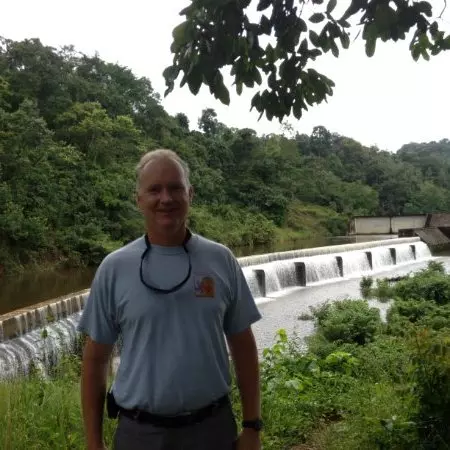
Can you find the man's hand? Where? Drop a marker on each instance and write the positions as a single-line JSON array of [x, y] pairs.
[[249, 440]]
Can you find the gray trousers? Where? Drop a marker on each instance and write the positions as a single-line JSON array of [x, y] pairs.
[[218, 432]]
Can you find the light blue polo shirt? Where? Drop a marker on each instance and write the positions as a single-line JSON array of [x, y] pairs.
[[174, 356]]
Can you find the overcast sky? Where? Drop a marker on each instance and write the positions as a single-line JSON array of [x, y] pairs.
[[386, 101]]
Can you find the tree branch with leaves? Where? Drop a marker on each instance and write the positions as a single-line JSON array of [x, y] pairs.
[[218, 34]]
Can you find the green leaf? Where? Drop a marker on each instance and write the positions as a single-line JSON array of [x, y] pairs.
[[194, 80], [317, 18], [265, 25], [263, 4], [244, 3], [256, 75], [239, 88], [314, 38], [179, 32], [297, 109], [345, 40], [425, 8], [257, 102], [171, 73], [343, 23], [425, 54], [303, 46], [331, 5], [301, 25], [370, 47], [334, 49], [222, 93]]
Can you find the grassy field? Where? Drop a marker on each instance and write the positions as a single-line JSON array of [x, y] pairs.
[[362, 384]]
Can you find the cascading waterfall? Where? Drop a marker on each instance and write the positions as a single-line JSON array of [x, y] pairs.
[[404, 253], [381, 257], [272, 282], [355, 263], [422, 251], [252, 281], [38, 347], [285, 271], [321, 268]]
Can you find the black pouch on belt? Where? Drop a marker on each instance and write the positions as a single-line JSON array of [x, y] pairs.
[[111, 406]]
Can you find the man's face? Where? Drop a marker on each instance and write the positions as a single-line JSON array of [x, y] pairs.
[[164, 196]]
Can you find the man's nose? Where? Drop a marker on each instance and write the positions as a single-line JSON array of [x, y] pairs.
[[166, 195]]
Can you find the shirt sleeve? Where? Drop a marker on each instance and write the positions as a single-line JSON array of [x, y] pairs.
[[98, 319], [242, 311]]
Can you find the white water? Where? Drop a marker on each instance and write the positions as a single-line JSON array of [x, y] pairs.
[[422, 250], [321, 268], [355, 263], [286, 274], [16, 355], [252, 281], [381, 257], [404, 253], [272, 282]]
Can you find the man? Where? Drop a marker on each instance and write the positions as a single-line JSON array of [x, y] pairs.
[[173, 297]]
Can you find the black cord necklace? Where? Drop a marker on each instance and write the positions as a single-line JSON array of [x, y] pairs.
[[179, 285]]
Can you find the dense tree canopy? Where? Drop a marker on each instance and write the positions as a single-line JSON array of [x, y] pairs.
[[72, 128], [277, 45]]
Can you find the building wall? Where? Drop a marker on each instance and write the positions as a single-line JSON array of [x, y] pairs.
[[408, 222], [371, 225], [385, 225]]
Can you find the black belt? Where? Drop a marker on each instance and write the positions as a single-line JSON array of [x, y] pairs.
[[181, 420]]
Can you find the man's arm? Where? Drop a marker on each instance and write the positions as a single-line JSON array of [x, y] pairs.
[[93, 390], [245, 357]]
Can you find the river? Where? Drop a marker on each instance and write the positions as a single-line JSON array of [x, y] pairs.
[[31, 288]]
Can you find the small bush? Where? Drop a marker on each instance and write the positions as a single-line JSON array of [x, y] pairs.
[[366, 286], [383, 292], [432, 376], [431, 285], [348, 321]]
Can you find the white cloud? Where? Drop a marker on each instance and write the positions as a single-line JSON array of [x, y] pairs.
[[386, 101]]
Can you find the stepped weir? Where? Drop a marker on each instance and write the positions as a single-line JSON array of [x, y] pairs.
[[31, 334]]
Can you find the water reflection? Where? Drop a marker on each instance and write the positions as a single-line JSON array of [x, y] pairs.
[[31, 288]]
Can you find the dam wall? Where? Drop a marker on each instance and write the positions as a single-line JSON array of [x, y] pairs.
[[260, 271], [37, 336]]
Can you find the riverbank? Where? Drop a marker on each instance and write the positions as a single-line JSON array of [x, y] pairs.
[[243, 231], [362, 383]]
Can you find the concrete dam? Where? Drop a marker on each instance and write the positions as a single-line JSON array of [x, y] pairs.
[[28, 336]]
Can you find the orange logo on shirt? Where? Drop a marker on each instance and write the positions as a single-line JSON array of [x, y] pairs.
[[204, 286]]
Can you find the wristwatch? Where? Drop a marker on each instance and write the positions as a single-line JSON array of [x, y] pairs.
[[256, 424]]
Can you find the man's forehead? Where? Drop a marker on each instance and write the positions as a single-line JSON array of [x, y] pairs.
[[155, 170], [160, 165]]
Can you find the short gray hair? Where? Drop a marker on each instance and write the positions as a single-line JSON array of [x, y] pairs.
[[161, 153]]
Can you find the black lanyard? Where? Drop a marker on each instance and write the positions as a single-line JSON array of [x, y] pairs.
[[179, 285]]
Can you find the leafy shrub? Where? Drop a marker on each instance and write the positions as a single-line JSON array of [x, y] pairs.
[[232, 225], [366, 286], [299, 390], [383, 292], [432, 376], [348, 321], [435, 267], [430, 284]]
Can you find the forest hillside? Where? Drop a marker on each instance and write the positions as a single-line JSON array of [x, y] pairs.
[[72, 128]]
